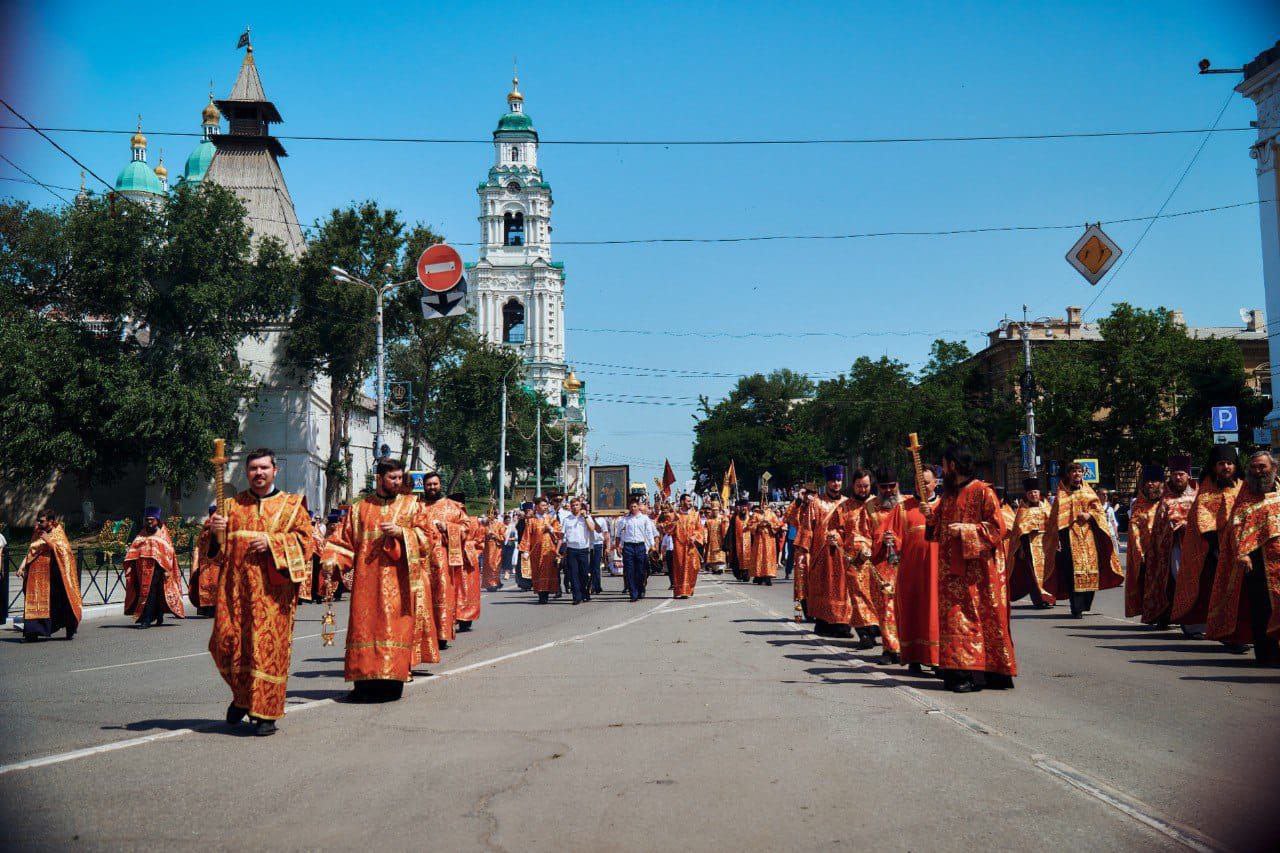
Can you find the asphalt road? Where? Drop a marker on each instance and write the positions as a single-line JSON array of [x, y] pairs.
[[707, 724]]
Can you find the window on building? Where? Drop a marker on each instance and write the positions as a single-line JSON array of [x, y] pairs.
[[513, 229], [515, 153], [514, 186], [513, 322]]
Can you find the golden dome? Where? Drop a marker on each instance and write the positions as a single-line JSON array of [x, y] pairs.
[[161, 172], [210, 115], [572, 383], [138, 141], [515, 90]]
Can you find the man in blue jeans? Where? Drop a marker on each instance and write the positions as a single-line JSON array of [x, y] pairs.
[[636, 534], [579, 532]]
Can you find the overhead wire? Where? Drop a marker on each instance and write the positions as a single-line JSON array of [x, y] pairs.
[[35, 180]]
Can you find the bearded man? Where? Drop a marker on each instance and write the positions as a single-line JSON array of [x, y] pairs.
[[687, 535], [153, 585], [450, 520], [917, 588], [1202, 539], [890, 528], [765, 526], [202, 585], [50, 582], [1164, 556], [849, 539], [1026, 557], [1141, 518], [973, 595], [716, 524], [1079, 553], [541, 541], [1245, 601], [737, 541]]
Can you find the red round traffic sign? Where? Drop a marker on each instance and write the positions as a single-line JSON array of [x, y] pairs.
[[439, 268]]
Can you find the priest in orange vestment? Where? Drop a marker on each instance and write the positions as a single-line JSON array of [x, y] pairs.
[[495, 535], [890, 524], [541, 541], [851, 523], [1141, 517], [973, 596], [50, 582], [1244, 606], [387, 544], [819, 583], [467, 589], [202, 585], [153, 585], [449, 519], [1079, 553], [917, 590], [716, 524], [765, 526], [1164, 552], [1025, 559], [1202, 540], [684, 526], [266, 567], [737, 541]]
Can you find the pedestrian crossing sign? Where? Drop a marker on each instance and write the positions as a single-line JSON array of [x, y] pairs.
[[1090, 470]]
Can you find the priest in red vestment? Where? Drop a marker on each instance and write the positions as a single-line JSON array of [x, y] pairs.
[[386, 544], [1244, 606], [849, 534], [266, 567], [153, 585], [973, 596], [1141, 518], [890, 526], [450, 520], [1202, 539], [1025, 559], [737, 541], [765, 526], [495, 535], [541, 541], [1164, 552], [202, 585], [467, 590], [917, 591], [684, 526], [811, 578], [1079, 553], [50, 582]]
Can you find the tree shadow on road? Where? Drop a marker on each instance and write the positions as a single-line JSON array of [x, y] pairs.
[[1229, 662], [1189, 646], [771, 633], [318, 673], [1235, 679], [315, 694], [850, 676]]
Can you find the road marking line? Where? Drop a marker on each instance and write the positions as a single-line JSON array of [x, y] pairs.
[[699, 606], [178, 657], [61, 757], [1132, 807]]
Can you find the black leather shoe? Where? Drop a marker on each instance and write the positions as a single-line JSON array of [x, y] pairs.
[[966, 686], [264, 728], [235, 714]]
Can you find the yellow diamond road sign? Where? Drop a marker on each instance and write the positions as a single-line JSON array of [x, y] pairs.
[[1093, 254]]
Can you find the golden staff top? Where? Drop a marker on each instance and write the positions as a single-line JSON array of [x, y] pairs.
[[913, 447], [219, 461]]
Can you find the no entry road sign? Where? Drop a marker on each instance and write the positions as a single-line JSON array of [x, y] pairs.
[[439, 268]]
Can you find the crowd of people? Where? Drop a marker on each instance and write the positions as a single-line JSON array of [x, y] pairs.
[[928, 576]]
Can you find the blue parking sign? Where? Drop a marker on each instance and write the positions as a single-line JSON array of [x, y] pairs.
[[1224, 419]]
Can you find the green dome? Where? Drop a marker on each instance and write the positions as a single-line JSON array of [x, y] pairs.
[[137, 177], [515, 121], [198, 163]]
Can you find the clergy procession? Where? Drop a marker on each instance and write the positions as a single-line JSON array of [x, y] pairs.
[[571, 433]]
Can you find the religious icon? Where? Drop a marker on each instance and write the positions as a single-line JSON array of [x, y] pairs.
[[609, 489]]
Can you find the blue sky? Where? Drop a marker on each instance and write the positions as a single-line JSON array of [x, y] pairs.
[[730, 70]]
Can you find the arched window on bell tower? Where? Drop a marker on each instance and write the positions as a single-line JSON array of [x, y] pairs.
[[513, 228], [513, 322], [515, 153]]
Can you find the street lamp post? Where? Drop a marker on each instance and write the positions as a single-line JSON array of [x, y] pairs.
[[1028, 388], [341, 275], [537, 468], [502, 446]]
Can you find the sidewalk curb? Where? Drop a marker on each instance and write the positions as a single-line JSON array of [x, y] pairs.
[[96, 611]]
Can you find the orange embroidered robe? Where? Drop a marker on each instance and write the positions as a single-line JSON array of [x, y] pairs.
[[468, 589], [494, 535], [202, 586], [49, 555], [447, 568], [1164, 547], [252, 640], [737, 546], [916, 593], [819, 578], [390, 630], [1025, 556], [1141, 518], [852, 521], [973, 591], [884, 579], [1253, 531], [1094, 562], [764, 528], [686, 532], [146, 554], [717, 526], [541, 542], [1202, 552]]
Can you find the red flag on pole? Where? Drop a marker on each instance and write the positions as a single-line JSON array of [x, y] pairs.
[[668, 477]]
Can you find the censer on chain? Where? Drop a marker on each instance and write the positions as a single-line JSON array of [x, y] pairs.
[[328, 624]]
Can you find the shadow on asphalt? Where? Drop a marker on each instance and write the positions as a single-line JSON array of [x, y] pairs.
[[318, 673], [1188, 646], [1231, 662], [894, 680], [316, 694], [200, 726], [769, 633], [1235, 679]]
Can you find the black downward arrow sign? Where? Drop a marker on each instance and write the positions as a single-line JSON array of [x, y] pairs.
[[443, 303]]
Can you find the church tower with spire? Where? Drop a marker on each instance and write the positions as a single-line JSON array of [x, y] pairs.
[[516, 289]]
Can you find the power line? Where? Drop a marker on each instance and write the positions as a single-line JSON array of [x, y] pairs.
[[35, 180], [1152, 221], [865, 140]]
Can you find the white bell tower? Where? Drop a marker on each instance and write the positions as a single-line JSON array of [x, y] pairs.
[[515, 289]]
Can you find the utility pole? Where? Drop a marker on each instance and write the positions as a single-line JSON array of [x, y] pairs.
[[502, 444], [565, 474], [537, 471], [1028, 395]]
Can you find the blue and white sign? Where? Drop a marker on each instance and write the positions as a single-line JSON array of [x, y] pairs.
[[1026, 452], [1261, 436], [1224, 419]]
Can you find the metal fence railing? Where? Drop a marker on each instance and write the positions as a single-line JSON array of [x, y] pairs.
[[102, 577]]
